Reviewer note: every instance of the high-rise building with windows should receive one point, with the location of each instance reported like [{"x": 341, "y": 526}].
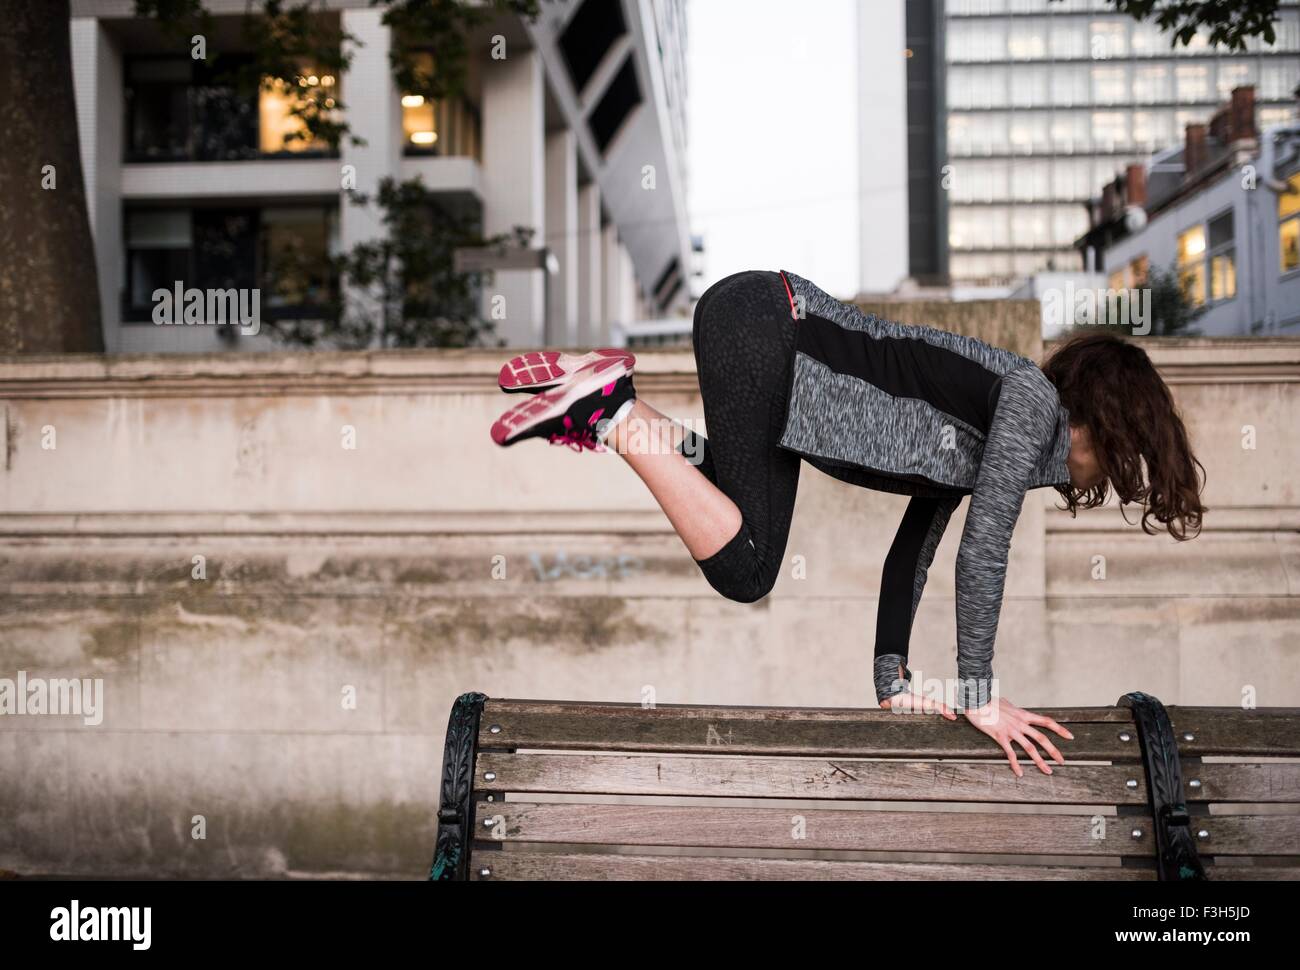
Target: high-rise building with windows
[{"x": 1045, "y": 101}]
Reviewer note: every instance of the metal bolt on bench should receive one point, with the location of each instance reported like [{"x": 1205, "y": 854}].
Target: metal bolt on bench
[{"x": 579, "y": 777}]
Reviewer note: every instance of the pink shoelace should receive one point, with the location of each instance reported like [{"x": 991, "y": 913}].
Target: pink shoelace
[{"x": 579, "y": 439}]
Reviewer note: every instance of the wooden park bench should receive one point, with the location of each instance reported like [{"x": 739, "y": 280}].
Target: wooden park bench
[{"x": 577, "y": 790}]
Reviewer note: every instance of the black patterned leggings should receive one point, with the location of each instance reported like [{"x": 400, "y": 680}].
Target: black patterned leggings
[{"x": 744, "y": 352}]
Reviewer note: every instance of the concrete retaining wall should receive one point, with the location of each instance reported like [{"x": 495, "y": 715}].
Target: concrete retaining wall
[{"x": 296, "y": 696}]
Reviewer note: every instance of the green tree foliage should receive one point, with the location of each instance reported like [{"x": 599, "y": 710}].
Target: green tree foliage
[
  {"x": 1172, "y": 314},
  {"x": 1227, "y": 23},
  {"x": 403, "y": 288}
]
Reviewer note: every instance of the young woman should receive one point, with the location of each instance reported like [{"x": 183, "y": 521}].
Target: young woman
[{"x": 788, "y": 374}]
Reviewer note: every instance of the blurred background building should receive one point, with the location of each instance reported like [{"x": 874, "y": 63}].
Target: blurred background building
[
  {"x": 1221, "y": 210},
  {"x": 578, "y": 133},
  {"x": 1018, "y": 111}
]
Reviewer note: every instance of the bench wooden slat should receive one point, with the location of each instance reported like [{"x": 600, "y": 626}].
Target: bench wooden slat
[
  {"x": 1222, "y": 782},
  {"x": 1267, "y": 835},
  {"x": 515, "y": 705},
  {"x": 645, "y": 868},
  {"x": 1229, "y": 731},
  {"x": 747, "y": 777},
  {"x": 843, "y": 779},
  {"x": 889, "y": 736},
  {"x": 507, "y": 866},
  {"x": 858, "y": 733},
  {"x": 773, "y": 828}
]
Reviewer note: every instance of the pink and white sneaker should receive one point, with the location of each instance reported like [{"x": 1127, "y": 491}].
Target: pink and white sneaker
[
  {"x": 578, "y": 413},
  {"x": 541, "y": 370}
]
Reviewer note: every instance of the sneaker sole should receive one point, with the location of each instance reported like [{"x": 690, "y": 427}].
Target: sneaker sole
[
  {"x": 552, "y": 404},
  {"x": 545, "y": 369}
]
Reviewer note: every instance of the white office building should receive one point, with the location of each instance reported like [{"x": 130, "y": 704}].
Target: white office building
[{"x": 572, "y": 125}]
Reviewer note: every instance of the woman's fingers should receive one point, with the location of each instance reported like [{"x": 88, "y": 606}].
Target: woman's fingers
[
  {"x": 1011, "y": 756},
  {"x": 915, "y": 702},
  {"x": 1044, "y": 721},
  {"x": 938, "y": 707},
  {"x": 1033, "y": 753},
  {"x": 1042, "y": 739}
]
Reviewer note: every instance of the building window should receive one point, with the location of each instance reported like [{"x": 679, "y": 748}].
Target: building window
[
  {"x": 587, "y": 38},
  {"x": 1234, "y": 74},
  {"x": 1110, "y": 85},
  {"x": 1138, "y": 271},
  {"x": 1028, "y": 40},
  {"x": 283, "y": 252},
  {"x": 295, "y": 246},
  {"x": 1069, "y": 85},
  {"x": 1192, "y": 82},
  {"x": 1223, "y": 258},
  {"x": 441, "y": 126},
  {"x": 280, "y": 128},
  {"x": 158, "y": 245},
  {"x": 1068, "y": 42},
  {"x": 1277, "y": 78},
  {"x": 1110, "y": 130},
  {"x": 1288, "y": 213},
  {"x": 1151, "y": 84},
  {"x": 1109, "y": 39},
  {"x": 1191, "y": 264},
  {"x": 1152, "y": 129},
  {"x": 179, "y": 109}
]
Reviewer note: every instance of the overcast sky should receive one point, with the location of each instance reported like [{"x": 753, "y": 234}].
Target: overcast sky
[{"x": 773, "y": 138}]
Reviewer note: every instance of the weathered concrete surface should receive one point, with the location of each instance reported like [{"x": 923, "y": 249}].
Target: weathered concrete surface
[{"x": 296, "y": 697}]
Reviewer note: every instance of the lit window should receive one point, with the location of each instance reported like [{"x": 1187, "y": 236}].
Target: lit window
[
  {"x": 1109, "y": 39},
  {"x": 438, "y": 126},
  {"x": 1110, "y": 85},
  {"x": 1223, "y": 277},
  {"x": 1110, "y": 129},
  {"x": 1191, "y": 264},
  {"x": 1288, "y": 213},
  {"x": 1289, "y": 237},
  {"x": 417, "y": 121},
  {"x": 279, "y": 128},
  {"x": 1138, "y": 270},
  {"x": 1192, "y": 82},
  {"x": 1151, "y": 84}
]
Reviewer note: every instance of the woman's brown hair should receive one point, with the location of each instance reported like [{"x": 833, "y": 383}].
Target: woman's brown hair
[{"x": 1111, "y": 388}]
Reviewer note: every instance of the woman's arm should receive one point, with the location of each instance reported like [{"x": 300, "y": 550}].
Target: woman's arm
[
  {"x": 901, "y": 583},
  {"x": 1023, "y": 424}
]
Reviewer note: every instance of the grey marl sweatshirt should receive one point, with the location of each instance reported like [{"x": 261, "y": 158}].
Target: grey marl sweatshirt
[{"x": 937, "y": 416}]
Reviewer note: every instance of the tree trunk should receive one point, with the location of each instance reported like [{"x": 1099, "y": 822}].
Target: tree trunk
[{"x": 49, "y": 290}]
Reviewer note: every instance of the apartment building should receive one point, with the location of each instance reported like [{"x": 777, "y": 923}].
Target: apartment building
[
  {"x": 1221, "y": 209},
  {"x": 572, "y": 125}
]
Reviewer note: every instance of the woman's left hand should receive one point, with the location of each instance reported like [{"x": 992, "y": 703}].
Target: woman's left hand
[{"x": 1004, "y": 722}]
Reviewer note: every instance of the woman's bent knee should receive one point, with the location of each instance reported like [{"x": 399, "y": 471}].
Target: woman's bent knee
[{"x": 735, "y": 571}]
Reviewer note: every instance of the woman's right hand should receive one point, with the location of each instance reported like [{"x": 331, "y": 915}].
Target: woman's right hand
[{"x": 916, "y": 704}]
